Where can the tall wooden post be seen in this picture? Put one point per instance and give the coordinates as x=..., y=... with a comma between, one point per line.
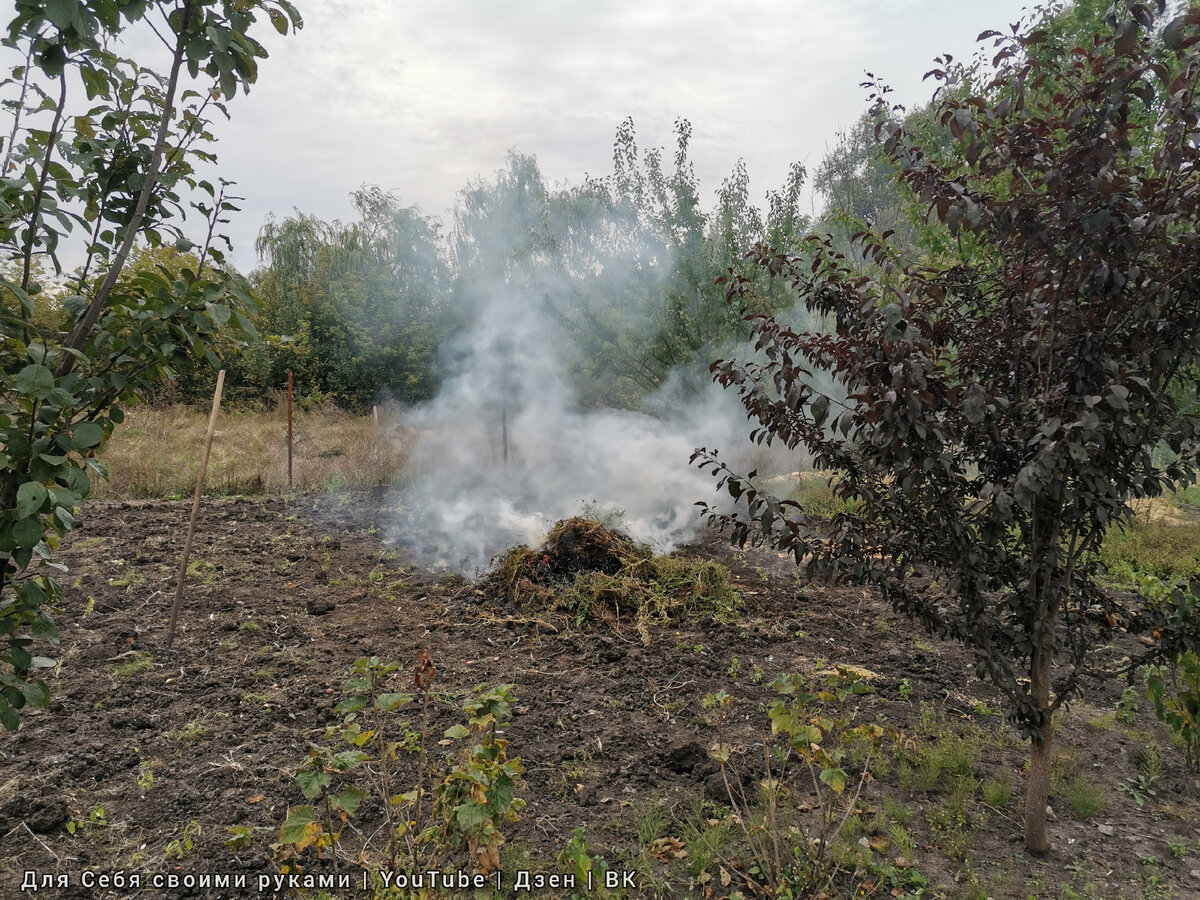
x=187, y=544
x=289, y=429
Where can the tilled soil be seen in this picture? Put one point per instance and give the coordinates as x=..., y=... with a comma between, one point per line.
x=150, y=753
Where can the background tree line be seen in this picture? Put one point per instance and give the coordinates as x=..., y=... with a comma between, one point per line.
x=626, y=263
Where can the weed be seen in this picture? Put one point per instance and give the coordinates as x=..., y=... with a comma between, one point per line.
x=949, y=820
x=181, y=846
x=1139, y=787
x=896, y=811
x=1127, y=706
x=135, y=664
x=1150, y=761
x=143, y=457
x=131, y=578
x=650, y=822
x=226, y=646
x=202, y=568
x=1175, y=692
x=902, y=839
x=905, y=689
x=1086, y=798
x=998, y=791
x=817, y=494
x=96, y=819
x=250, y=625
x=576, y=860
x=144, y=777
x=188, y=734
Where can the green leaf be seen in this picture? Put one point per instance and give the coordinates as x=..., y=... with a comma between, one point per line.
x=388, y=702
x=8, y=716
x=348, y=759
x=835, y=778
x=296, y=827
x=27, y=532
x=64, y=517
x=86, y=435
x=457, y=732
x=471, y=815
x=313, y=783
x=62, y=14
x=36, y=694
x=30, y=497
x=352, y=704
x=20, y=294
x=35, y=381
x=348, y=800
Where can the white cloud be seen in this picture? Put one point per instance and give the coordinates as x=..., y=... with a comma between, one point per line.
x=421, y=96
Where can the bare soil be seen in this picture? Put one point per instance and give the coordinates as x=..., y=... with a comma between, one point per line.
x=284, y=596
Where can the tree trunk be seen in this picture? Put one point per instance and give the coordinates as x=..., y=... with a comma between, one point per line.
x=1038, y=793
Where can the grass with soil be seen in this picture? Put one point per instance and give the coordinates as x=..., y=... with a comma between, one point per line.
x=585, y=707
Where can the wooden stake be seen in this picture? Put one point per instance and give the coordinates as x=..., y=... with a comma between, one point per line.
x=187, y=544
x=289, y=429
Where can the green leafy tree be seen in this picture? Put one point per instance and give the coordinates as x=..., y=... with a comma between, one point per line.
x=1001, y=410
x=361, y=307
x=96, y=174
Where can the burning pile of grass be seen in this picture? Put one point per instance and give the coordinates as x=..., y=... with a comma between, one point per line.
x=587, y=571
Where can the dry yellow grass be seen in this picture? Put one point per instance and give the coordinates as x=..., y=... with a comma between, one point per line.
x=156, y=453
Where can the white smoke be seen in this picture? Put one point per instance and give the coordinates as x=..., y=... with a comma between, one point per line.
x=509, y=395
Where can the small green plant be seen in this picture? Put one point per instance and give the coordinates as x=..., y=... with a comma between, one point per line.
x=183, y=845
x=815, y=732
x=577, y=860
x=902, y=839
x=998, y=791
x=1175, y=692
x=96, y=818
x=144, y=777
x=131, y=578
x=905, y=689
x=1127, y=706
x=734, y=668
x=896, y=811
x=188, y=734
x=1179, y=847
x=1139, y=787
x=1085, y=797
x=472, y=794
x=478, y=793
x=134, y=665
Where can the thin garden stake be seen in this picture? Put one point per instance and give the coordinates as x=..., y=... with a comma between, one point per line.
x=187, y=544
x=289, y=429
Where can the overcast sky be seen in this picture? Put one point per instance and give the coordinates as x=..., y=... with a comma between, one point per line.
x=420, y=96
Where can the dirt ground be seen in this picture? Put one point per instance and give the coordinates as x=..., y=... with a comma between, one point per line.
x=149, y=754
